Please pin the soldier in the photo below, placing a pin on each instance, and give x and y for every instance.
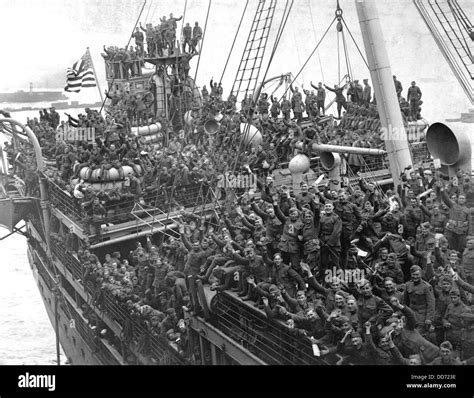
(255, 269)
(286, 108)
(367, 93)
(358, 92)
(350, 217)
(291, 236)
(311, 245)
(391, 268)
(263, 104)
(453, 321)
(407, 337)
(158, 43)
(197, 36)
(457, 226)
(441, 289)
(188, 37)
(437, 220)
(419, 297)
(196, 255)
(298, 106)
(320, 98)
(283, 275)
(328, 293)
(150, 38)
(340, 99)
(275, 108)
(371, 308)
(54, 118)
(398, 87)
(468, 261)
(413, 97)
(273, 226)
(138, 36)
(330, 237)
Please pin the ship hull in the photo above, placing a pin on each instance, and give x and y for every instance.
(74, 346)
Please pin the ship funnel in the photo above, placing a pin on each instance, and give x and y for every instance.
(452, 145)
(329, 160)
(211, 126)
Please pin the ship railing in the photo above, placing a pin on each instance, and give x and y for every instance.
(67, 259)
(64, 201)
(90, 337)
(83, 329)
(160, 199)
(158, 347)
(419, 152)
(269, 339)
(189, 196)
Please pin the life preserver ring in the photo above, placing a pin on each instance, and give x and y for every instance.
(49, 162)
(146, 130)
(113, 174)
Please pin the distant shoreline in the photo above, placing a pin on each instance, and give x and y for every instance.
(57, 106)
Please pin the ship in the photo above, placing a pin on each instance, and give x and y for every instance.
(21, 96)
(97, 326)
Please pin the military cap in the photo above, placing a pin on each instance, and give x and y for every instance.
(415, 268)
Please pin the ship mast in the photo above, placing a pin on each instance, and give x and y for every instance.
(396, 142)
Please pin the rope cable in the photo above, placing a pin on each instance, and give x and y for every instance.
(128, 42)
(310, 56)
(202, 41)
(357, 46)
(235, 39)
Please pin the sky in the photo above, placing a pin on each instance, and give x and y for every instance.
(44, 37)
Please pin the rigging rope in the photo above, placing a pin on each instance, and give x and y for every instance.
(338, 58)
(346, 56)
(457, 19)
(184, 17)
(355, 43)
(128, 42)
(281, 28)
(202, 40)
(148, 13)
(233, 43)
(310, 56)
(316, 39)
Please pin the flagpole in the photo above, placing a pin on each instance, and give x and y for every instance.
(95, 75)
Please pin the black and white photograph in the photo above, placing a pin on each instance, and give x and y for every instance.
(192, 183)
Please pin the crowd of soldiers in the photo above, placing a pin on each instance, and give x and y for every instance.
(148, 283)
(284, 252)
(375, 278)
(161, 40)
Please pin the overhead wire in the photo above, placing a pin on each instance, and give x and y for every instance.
(312, 53)
(233, 43)
(202, 40)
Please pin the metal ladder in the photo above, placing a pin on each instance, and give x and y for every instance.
(451, 30)
(247, 75)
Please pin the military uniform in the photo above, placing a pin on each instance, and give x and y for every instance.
(468, 265)
(454, 316)
(289, 241)
(413, 218)
(350, 217)
(419, 297)
(457, 226)
(373, 309)
(330, 234)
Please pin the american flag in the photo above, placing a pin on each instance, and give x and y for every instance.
(80, 75)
